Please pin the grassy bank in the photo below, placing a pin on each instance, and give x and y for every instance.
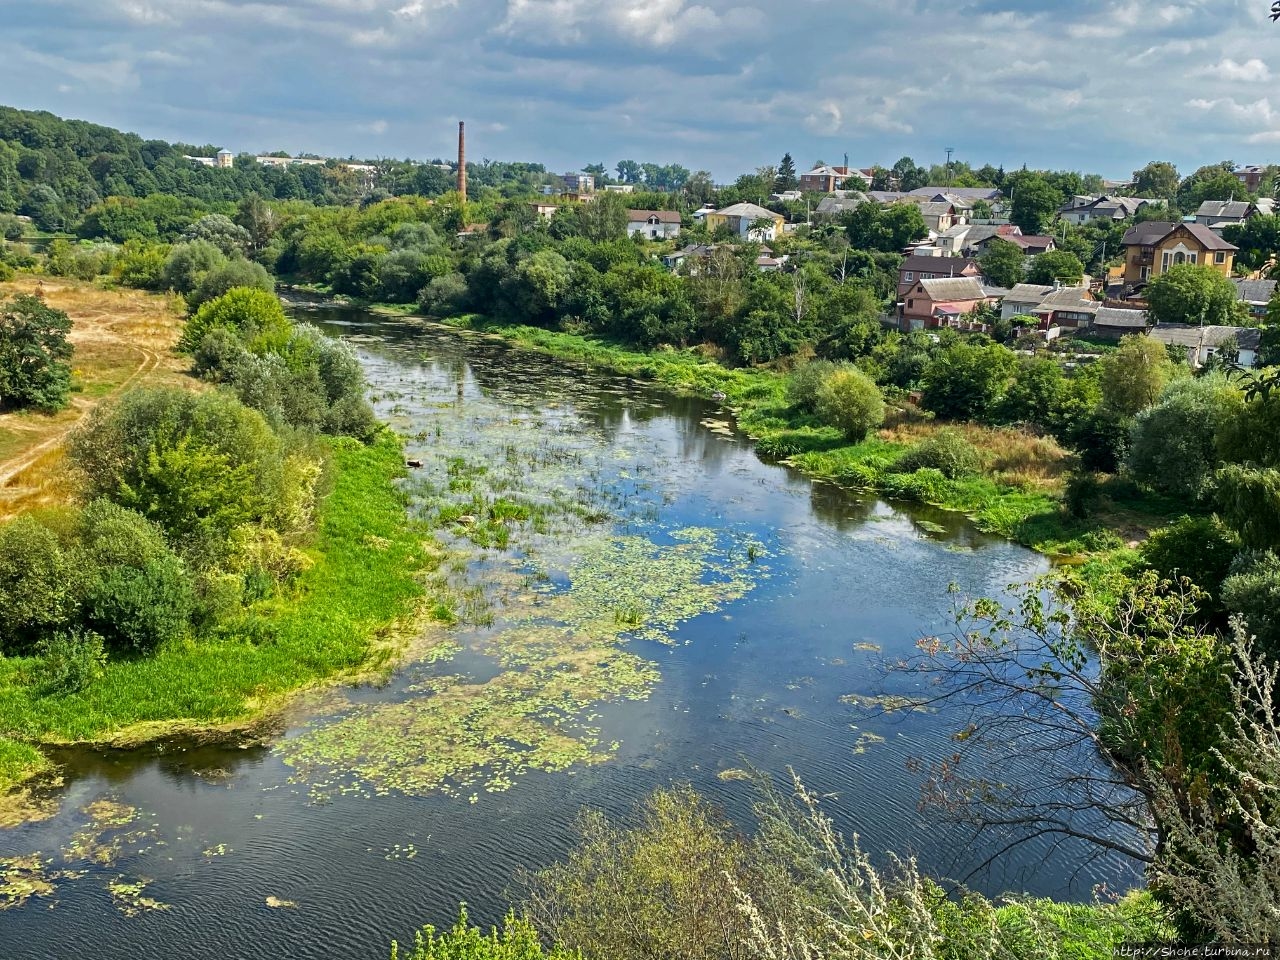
(336, 621)
(1017, 494)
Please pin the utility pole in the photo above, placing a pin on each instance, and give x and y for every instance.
(950, 151)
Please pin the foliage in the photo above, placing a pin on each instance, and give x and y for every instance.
(1174, 447)
(229, 237)
(1192, 293)
(1201, 549)
(225, 277)
(518, 940)
(70, 660)
(1133, 376)
(34, 351)
(1052, 266)
(1003, 263)
(39, 584)
(871, 226)
(1253, 591)
(1035, 202)
(965, 380)
(947, 452)
(1248, 499)
(254, 316)
(1158, 179)
(803, 384)
(849, 400)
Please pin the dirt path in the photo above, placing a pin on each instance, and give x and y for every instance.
(122, 338)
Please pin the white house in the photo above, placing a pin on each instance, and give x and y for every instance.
(1201, 343)
(653, 224)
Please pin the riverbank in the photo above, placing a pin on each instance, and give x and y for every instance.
(1017, 494)
(346, 618)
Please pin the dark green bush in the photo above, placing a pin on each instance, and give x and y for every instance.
(1199, 548)
(136, 609)
(70, 660)
(804, 383)
(1253, 592)
(947, 452)
(850, 401)
(40, 584)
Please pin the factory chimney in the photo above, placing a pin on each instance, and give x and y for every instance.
(462, 160)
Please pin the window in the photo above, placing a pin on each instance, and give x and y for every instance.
(1191, 257)
(1220, 256)
(1179, 258)
(910, 276)
(911, 303)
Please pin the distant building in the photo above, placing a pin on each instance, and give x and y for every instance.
(828, 179)
(1080, 210)
(225, 159)
(1255, 295)
(1201, 343)
(619, 188)
(653, 224)
(748, 221)
(1153, 247)
(579, 183)
(915, 268)
(1251, 176)
(942, 303)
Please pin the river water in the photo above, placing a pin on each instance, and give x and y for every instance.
(674, 608)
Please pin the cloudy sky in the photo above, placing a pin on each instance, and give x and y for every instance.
(1099, 85)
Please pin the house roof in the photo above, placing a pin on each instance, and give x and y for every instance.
(968, 193)
(952, 309)
(841, 204)
(952, 288)
(1230, 209)
(1120, 317)
(1153, 231)
(936, 209)
(751, 211)
(1075, 299)
(664, 216)
(826, 170)
(885, 196)
(939, 266)
(1028, 293)
(1028, 241)
(1189, 335)
(1254, 291)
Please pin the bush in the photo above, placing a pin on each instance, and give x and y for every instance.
(34, 351)
(804, 383)
(254, 315)
(136, 609)
(39, 584)
(445, 296)
(947, 452)
(70, 660)
(142, 267)
(849, 401)
(228, 276)
(1082, 494)
(188, 263)
(1199, 548)
(1253, 592)
(1173, 447)
(518, 940)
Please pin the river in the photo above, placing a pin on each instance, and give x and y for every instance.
(711, 612)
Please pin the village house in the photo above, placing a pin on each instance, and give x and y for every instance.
(1153, 247)
(1068, 309)
(940, 215)
(545, 210)
(916, 267)
(1217, 214)
(952, 194)
(942, 302)
(827, 179)
(1080, 210)
(748, 221)
(1255, 295)
(653, 224)
(619, 188)
(837, 204)
(1251, 176)
(1115, 322)
(579, 183)
(965, 238)
(1023, 299)
(1201, 343)
(1029, 244)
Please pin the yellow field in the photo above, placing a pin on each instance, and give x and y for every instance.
(121, 338)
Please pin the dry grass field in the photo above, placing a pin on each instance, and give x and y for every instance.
(122, 338)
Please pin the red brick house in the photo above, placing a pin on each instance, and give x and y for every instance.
(918, 267)
(942, 302)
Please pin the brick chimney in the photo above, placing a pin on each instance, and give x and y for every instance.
(462, 160)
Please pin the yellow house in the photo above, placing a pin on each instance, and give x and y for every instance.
(748, 221)
(1153, 247)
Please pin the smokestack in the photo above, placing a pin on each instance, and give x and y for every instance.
(462, 160)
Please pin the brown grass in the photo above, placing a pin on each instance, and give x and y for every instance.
(122, 338)
(1014, 457)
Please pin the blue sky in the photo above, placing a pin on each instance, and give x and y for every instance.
(1098, 85)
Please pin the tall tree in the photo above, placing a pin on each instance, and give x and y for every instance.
(34, 351)
(1035, 202)
(1002, 263)
(786, 178)
(1158, 179)
(1134, 375)
(1055, 265)
(1192, 293)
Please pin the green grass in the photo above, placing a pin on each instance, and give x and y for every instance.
(366, 560)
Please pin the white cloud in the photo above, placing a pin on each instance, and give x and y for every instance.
(1251, 71)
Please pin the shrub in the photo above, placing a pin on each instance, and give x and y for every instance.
(1082, 494)
(188, 263)
(227, 276)
(39, 584)
(70, 660)
(1253, 592)
(1199, 548)
(142, 267)
(445, 296)
(136, 609)
(518, 940)
(255, 316)
(947, 452)
(1173, 447)
(850, 401)
(804, 383)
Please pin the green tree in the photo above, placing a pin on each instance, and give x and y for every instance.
(254, 315)
(258, 220)
(1258, 239)
(964, 381)
(220, 230)
(786, 178)
(188, 263)
(34, 354)
(40, 584)
(1002, 263)
(1134, 376)
(850, 401)
(1174, 448)
(1035, 203)
(908, 176)
(1192, 293)
(1158, 179)
(1055, 266)
(227, 276)
(1216, 182)
(605, 218)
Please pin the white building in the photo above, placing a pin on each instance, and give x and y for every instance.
(653, 224)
